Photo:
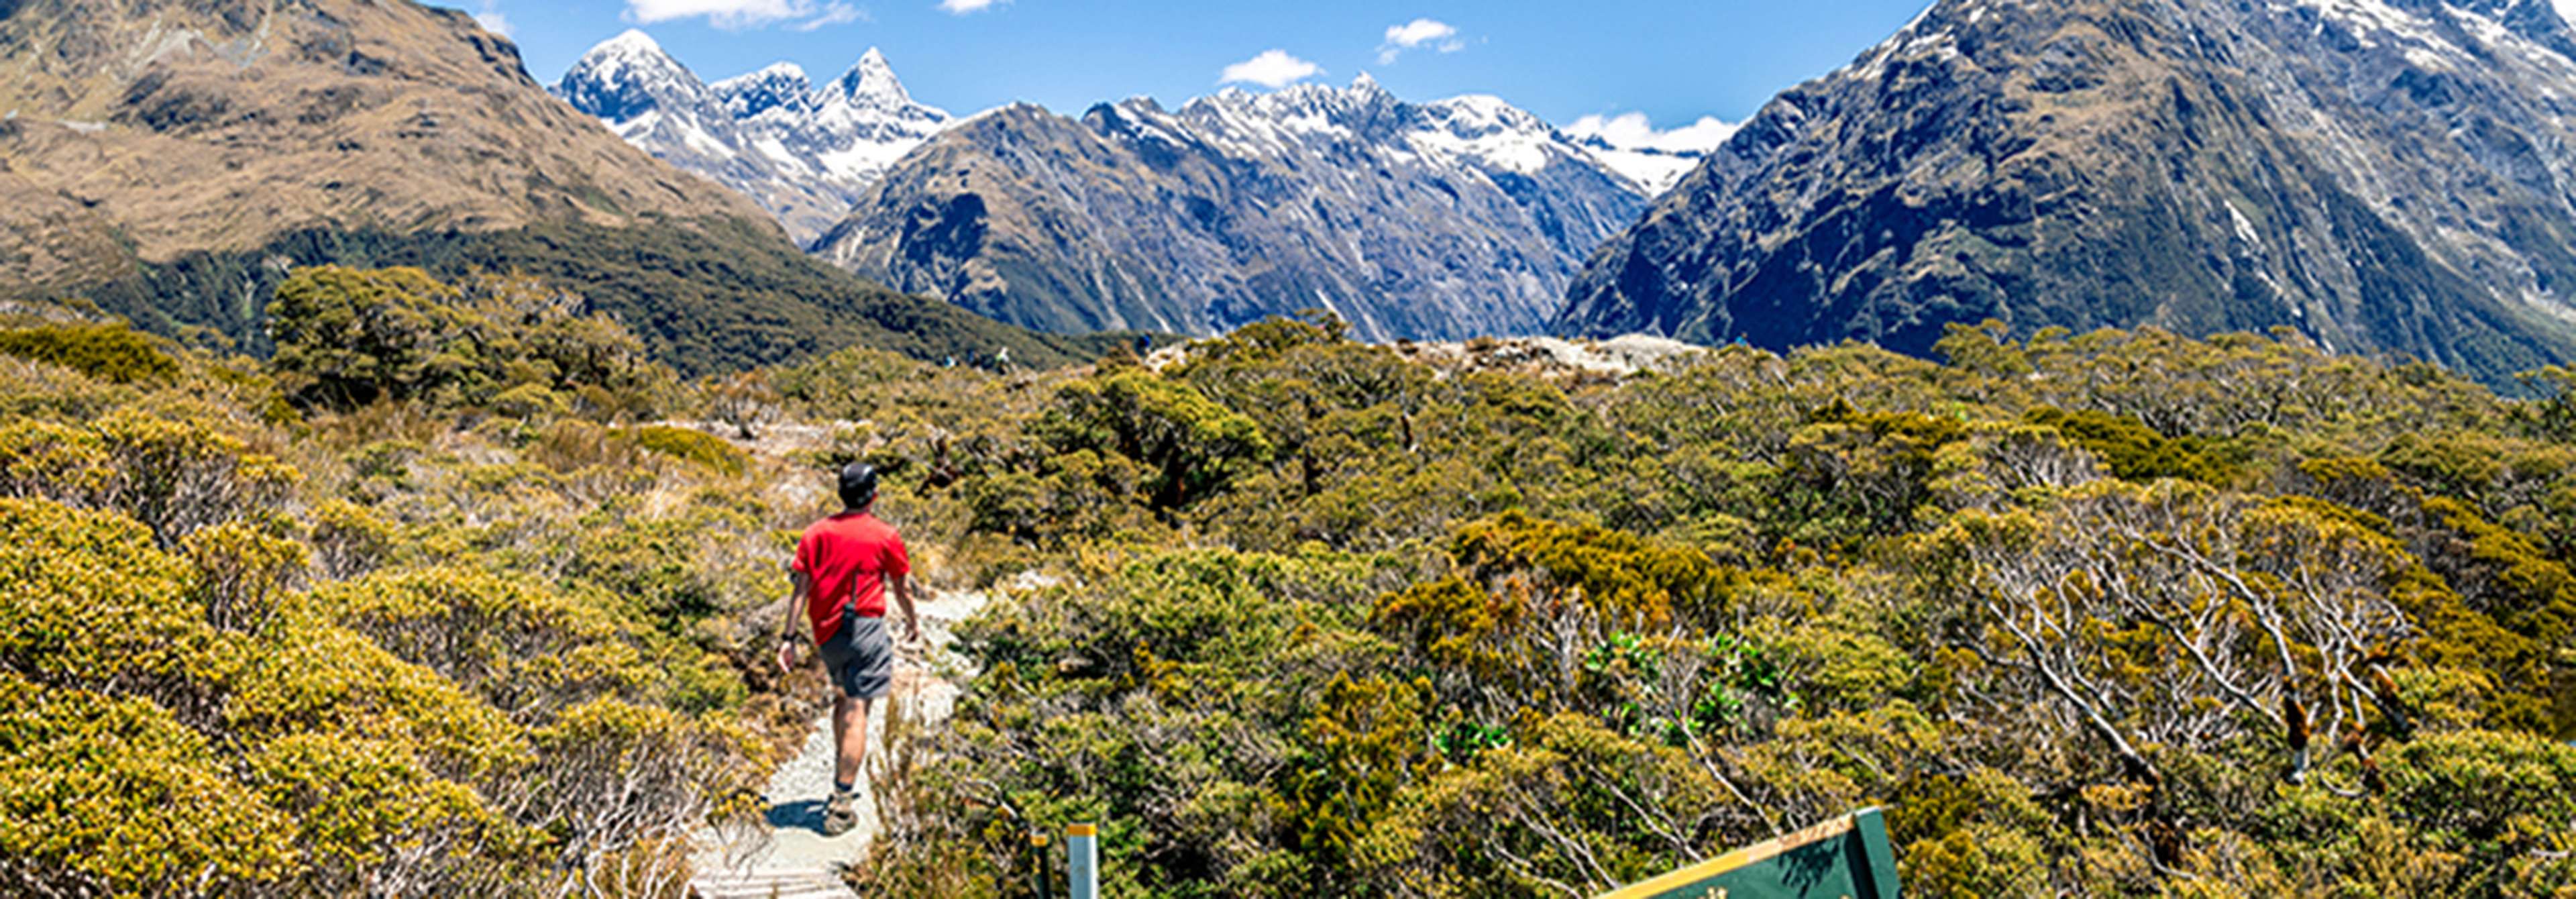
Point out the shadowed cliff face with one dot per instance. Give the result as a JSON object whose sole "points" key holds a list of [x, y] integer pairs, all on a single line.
{"points": [[1434, 220], [2382, 175]]}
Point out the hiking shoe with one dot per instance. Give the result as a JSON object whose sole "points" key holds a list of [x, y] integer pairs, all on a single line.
{"points": [[840, 814]]}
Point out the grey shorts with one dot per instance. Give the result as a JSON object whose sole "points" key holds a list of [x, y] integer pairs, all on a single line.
{"points": [[860, 658]]}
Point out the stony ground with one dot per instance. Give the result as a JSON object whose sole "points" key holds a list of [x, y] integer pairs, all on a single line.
{"points": [[788, 856]]}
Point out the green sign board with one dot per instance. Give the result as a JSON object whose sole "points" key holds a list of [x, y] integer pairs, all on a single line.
{"points": [[1845, 858]]}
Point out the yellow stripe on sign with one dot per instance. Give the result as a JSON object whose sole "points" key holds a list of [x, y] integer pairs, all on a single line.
{"points": [[1758, 852], [1082, 830]]}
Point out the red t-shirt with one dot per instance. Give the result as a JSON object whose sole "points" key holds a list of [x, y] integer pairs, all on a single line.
{"points": [[846, 559]]}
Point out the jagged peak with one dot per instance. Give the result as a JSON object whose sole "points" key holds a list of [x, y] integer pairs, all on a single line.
{"points": [[872, 80], [611, 59], [626, 76], [1363, 94], [780, 84], [1016, 111], [632, 40], [630, 48], [1138, 107], [773, 72], [1137, 117], [1486, 111]]}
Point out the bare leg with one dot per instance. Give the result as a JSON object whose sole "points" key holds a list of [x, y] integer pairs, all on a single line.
{"points": [[850, 723]]}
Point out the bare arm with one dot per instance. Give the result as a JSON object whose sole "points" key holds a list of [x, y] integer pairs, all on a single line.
{"points": [[787, 627], [804, 586]]}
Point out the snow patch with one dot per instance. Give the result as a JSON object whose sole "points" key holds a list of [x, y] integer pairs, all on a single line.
{"points": [[1655, 159], [866, 160], [2244, 226]]}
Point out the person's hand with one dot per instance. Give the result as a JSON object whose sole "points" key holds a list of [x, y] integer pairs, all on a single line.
{"points": [[912, 633], [786, 657]]}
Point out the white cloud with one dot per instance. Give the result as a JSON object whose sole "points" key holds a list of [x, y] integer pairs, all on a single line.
{"points": [[1633, 131], [1271, 69], [2567, 10], [734, 14], [962, 7], [492, 20], [833, 14], [1439, 35]]}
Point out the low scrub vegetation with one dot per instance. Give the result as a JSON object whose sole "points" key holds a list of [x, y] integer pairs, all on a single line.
{"points": [[2111, 614], [425, 606], [446, 600]]}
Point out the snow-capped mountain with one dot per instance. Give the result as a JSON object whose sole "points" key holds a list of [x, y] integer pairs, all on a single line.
{"points": [[2386, 176], [803, 152], [1655, 159], [1435, 220]]}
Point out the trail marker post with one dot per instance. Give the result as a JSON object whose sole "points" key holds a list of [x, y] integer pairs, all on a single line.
{"points": [[1046, 877], [1082, 861]]}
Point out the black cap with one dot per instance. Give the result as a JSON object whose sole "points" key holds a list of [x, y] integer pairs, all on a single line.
{"points": [[858, 484]]}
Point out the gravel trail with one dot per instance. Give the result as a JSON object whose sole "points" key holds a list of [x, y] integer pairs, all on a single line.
{"points": [[788, 856]]}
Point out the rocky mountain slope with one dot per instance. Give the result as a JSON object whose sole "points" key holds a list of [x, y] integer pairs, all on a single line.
{"points": [[803, 153], [143, 130], [2382, 175], [171, 159], [1431, 220]]}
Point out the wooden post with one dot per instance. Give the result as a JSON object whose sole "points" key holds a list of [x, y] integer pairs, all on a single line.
{"points": [[1082, 862]]}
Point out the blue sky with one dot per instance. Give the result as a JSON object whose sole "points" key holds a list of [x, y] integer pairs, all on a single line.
{"points": [[1673, 60]]}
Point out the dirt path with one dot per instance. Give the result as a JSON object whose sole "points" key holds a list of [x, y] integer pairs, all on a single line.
{"points": [[788, 856]]}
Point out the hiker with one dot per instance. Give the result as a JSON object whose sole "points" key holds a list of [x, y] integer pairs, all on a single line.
{"points": [[845, 565]]}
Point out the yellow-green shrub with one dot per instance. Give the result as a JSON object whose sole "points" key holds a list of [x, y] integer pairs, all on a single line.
{"points": [[180, 474], [692, 445], [66, 463], [519, 644], [312, 677], [355, 801], [108, 352], [100, 794], [84, 598]]}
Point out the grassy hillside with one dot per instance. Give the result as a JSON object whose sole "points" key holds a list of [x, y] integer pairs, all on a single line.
{"points": [[144, 130]]}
